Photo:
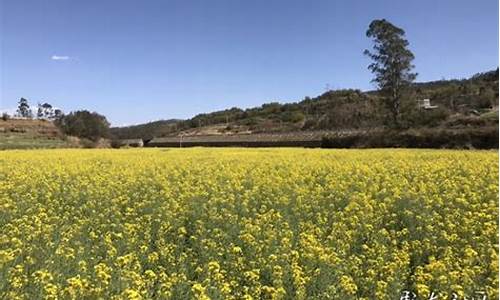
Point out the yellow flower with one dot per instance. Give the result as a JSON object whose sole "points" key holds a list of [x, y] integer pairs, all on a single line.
{"points": [[247, 223], [348, 286]]}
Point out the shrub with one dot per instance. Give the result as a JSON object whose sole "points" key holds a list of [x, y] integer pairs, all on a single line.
{"points": [[85, 124]]}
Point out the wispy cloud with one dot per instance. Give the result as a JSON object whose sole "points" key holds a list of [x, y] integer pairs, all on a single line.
{"points": [[59, 57]]}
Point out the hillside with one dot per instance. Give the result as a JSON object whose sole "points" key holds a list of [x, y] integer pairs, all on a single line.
{"points": [[460, 103], [27, 134], [147, 130]]}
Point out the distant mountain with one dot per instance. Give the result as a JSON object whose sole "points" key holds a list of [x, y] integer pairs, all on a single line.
{"points": [[459, 102], [145, 131]]}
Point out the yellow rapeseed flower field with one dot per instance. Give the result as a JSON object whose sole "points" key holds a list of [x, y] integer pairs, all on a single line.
{"points": [[247, 224]]}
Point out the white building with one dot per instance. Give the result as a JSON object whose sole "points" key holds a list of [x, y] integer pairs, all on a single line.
{"points": [[425, 104]]}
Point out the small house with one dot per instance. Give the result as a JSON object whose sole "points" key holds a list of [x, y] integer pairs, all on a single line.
{"points": [[425, 104]]}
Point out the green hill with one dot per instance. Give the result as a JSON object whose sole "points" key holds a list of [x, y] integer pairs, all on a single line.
{"points": [[460, 103]]}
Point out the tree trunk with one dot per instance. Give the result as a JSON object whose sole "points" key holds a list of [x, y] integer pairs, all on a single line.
{"points": [[396, 101]]}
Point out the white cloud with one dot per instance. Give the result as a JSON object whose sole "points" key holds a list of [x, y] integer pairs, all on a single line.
{"points": [[59, 57]]}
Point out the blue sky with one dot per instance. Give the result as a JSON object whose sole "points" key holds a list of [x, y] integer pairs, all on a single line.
{"points": [[137, 61]]}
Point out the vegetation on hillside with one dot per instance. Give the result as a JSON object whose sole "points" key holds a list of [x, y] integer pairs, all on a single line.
{"points": [[460, 102], [30, 134], [90, 127], [396, 104], [145, 131]]}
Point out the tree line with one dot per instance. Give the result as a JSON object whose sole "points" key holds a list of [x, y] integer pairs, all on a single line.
{"points": [[43, 111]]}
